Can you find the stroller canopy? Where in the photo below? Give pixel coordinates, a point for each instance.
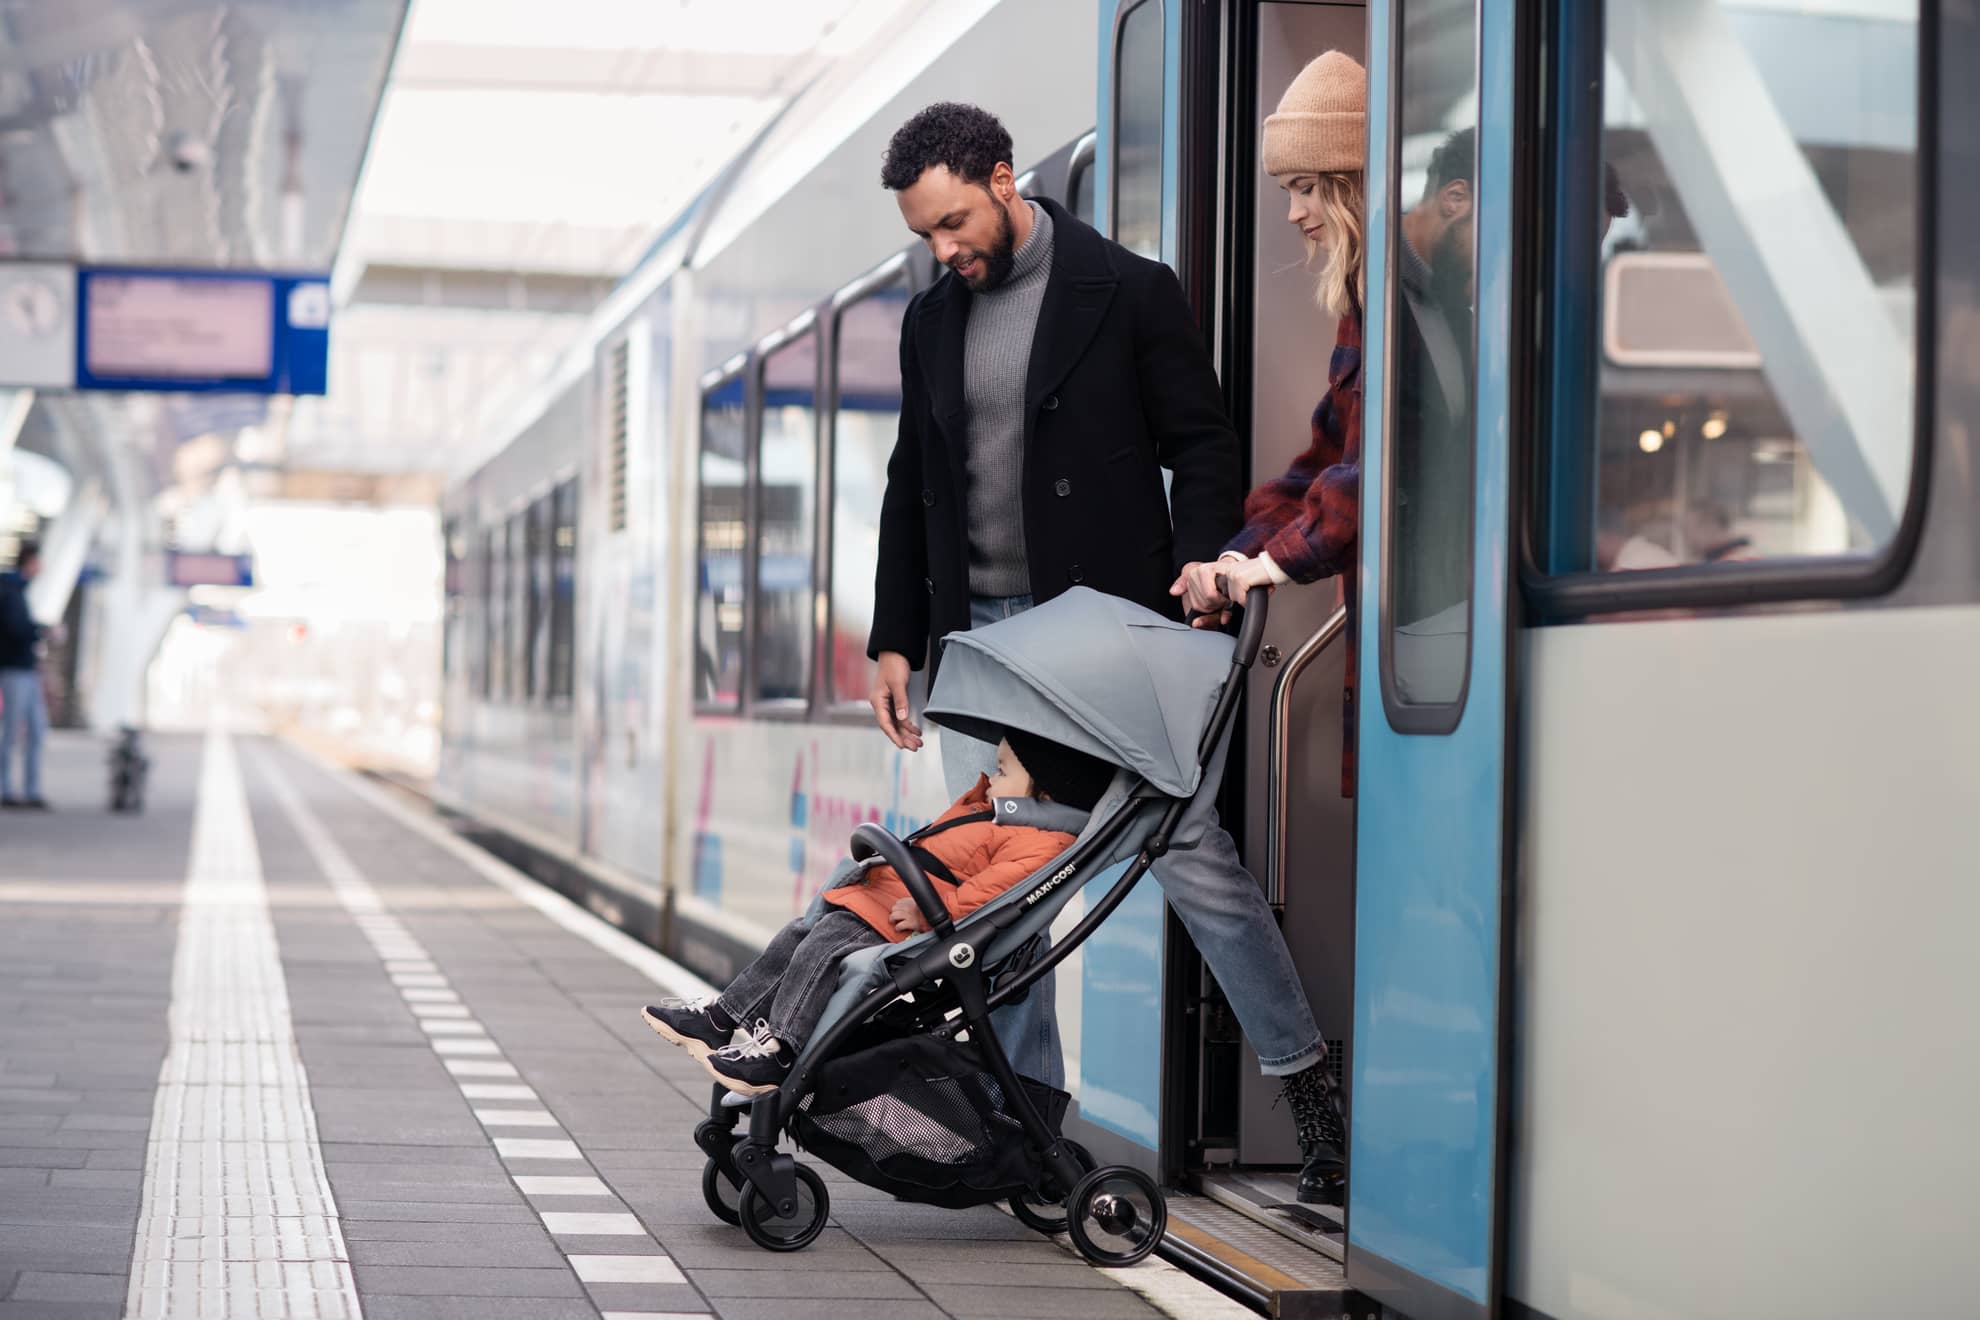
(1093, 672)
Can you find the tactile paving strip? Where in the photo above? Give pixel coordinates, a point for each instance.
(238, 1220)
(545, 1164)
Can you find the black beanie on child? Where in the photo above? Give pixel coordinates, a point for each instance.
(1060, 772)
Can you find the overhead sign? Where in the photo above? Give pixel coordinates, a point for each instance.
(191, 569)
(202, 330)
(207, 331)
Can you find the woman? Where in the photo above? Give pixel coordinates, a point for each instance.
(1301, 527)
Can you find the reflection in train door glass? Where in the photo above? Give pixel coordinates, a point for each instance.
(868, 371)
(1753, 227)
(1138, 106)
(1426, 613)
(718, 614)
(786, 498)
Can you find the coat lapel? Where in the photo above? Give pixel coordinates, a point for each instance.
(1077, 295)
(943, 327)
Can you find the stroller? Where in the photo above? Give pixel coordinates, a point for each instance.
(904, 1086)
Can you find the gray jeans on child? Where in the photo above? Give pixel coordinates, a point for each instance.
(792, 980)
(1221, 906)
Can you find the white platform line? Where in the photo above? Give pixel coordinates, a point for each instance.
(233, 1166)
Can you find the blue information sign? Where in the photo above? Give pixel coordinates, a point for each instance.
(185, 568)
(202, 331)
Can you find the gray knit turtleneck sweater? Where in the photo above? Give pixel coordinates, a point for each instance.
(996, 360)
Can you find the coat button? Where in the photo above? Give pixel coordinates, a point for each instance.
(1051, 402)
(928, 498)
(1075, 574)
(930, 584)
(1062, 487)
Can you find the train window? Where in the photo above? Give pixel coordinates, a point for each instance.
(1736, 268)
(718, 616)
(562, 685)
(536, 548)
(1427, 455)
(517, 637)
(1138, 115)
(1079, 186)
(867, 368)
(453, 586)
(786, 528)
(490, 683)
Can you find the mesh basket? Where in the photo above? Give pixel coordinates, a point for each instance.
(921, 1117)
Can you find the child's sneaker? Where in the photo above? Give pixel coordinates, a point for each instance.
(753, 1065)
(693, 1024)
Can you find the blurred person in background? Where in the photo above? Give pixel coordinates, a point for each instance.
(23, 708)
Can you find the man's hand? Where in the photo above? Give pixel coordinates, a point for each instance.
(1197, 585)
(890, 702)
(907, 917)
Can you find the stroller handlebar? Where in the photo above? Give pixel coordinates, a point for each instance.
(869, 840)
(1251, 631)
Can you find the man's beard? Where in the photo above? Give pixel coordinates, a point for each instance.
(1002, 256)
(1450, 272)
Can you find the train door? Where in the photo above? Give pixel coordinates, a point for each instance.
(1299, 827)
(1426, 1165)
(1120, 1086)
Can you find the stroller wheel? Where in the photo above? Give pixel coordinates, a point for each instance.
(774, 1232)
(1045, 1214)
(721, 1194)
(1117, 1215)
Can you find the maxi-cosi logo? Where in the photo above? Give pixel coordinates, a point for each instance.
(1051, 884)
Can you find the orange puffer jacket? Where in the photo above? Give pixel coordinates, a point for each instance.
(987, 857)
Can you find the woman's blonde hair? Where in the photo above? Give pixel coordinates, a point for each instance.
(1343, 284)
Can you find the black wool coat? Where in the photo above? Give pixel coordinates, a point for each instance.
(1119, 388)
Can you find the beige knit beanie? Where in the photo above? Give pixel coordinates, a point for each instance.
(1322, 123)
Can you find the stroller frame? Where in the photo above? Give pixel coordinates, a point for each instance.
(769, 1177)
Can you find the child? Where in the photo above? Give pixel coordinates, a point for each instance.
(793, 979)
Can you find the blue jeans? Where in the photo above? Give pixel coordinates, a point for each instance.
(24, 718)
(1221, 907)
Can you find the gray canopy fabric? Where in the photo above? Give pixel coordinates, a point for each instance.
(1093, 672)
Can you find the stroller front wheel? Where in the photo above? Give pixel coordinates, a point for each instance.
(775, 1232)
(719, 1190)
(1045, 1214)
(1117, 1216)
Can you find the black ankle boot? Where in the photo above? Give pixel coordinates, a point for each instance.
(1316, 1109)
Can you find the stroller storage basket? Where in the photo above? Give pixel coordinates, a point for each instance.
(923, 1118)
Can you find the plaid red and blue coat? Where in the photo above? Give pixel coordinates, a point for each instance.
(1309, 520)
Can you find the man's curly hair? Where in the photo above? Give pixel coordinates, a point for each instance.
(966, 138)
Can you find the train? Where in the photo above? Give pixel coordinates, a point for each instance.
(1641, 945)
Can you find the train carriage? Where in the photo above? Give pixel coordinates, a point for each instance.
(1641, 944)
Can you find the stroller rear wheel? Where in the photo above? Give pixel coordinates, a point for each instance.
(1117, 1215)
(1044, 1213)
(775, 1232)
(721, 1193)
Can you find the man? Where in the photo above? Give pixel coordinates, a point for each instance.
(1047, 380)
(23, 712)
